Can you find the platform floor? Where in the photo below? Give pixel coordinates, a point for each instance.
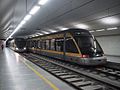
(17, 73)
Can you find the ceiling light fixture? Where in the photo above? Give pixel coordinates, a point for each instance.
(53, 31)
(45, 32)
(82, 26)
(101, 30)
(36, 35)
(92, 31)
(22, 22)
(42, 2)
(112, 28)
(110, 20)
(64, 28)
(34, 9)
(27, 17)
(39, 33)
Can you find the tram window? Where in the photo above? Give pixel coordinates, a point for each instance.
(36, 44)
(70, 46)
(98, 48)
(27, 44)
(47, 44)
(59, 44)
(44, 44)
(52, 46)
(32, 44)
(88, 45)
(39, 46)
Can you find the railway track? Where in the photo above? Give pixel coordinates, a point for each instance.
(79, 77)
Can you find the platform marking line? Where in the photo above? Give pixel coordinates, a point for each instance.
(40, 75)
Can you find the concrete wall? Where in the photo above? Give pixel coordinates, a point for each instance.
(110, 44)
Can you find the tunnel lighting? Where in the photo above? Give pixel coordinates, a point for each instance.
(53, 31)
(45, 32)
(64, 28)
(110, 20)
(19, 26)
(22, 22)
(16, 29)
(36, 35)
(39, 33)
(27, 17)
(82, 26)
(100, 30)
(33, 35)
(42, 2)
(34, 10)
(112, 28)
(92, 31)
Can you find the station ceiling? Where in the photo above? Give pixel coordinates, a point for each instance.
(56, 15)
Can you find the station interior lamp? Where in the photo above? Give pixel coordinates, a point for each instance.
(45, 32)
(53, 31)
(110, 20)
(33, 11)
(42, 2)
(82, 26)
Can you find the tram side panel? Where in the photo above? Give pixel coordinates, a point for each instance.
(81, 48)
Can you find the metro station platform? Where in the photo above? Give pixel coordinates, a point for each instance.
(17, 73)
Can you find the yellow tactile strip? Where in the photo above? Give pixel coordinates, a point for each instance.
(41, 76)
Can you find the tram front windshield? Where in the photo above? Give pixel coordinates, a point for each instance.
(89, 46)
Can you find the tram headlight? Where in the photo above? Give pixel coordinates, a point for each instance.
(16, 48)
(24, 48)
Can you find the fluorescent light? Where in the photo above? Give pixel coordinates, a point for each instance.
(45, 32)
(92, 31)
(18, 27)
(52, 31)
(42, 2)
(33, 35)
(34, 10)
(100, 30)
(110, 20)
(36, 35)
(27, 17)
(39, 33)
(112, 28)
(22, 22)
(64, 28)
(82, 26)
